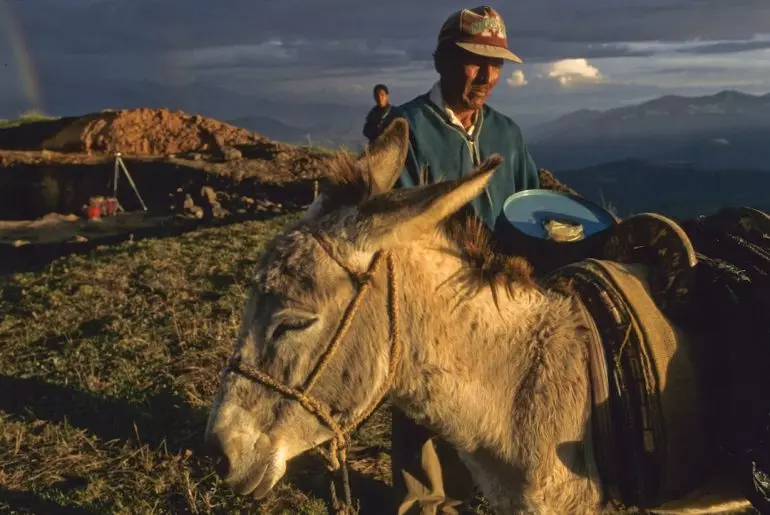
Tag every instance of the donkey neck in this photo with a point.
(472, 369)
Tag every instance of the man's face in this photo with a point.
(468, 79)
(381, 97)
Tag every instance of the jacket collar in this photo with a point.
(437, 98)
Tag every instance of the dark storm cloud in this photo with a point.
(543, 30)
(692, 70)
(728, 47)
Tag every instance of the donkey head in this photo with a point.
(307, 298)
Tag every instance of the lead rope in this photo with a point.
(346, 507)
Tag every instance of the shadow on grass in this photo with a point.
(30, 502)
(163, 419)
(309, 475)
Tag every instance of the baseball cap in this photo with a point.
(480, 30)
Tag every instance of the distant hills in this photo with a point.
(634, 186)
(724, 131)
(329, 135)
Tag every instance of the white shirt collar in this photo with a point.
(437, 98)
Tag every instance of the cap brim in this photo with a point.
(490, 51)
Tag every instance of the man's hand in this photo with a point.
(549, 182)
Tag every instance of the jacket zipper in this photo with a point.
(473, 149)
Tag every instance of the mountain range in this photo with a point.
(680, 191)
(727, 130)
(327, 135)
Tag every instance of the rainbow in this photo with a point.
(23, 63)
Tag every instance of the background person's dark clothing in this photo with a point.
(376, 121)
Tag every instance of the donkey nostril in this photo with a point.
(220, 459)
(222, 466)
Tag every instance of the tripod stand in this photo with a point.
(119, 164)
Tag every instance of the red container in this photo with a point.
(94, 211)
(95, 207)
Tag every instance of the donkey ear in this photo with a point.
(385, 157)
(407, 214)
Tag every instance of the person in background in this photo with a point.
(451, 131)
(378, 116)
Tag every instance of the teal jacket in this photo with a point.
(446, 152)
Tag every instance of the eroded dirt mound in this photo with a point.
(150, 132)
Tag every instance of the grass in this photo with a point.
(108, 362)
(26, 117)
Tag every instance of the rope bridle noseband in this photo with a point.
(336, 456)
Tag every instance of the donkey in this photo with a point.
(464, 341)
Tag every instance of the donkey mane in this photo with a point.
(348, 184)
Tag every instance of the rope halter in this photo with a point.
(336, 455)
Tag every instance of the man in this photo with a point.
(452, 130)
(378, 116)
(451, 127)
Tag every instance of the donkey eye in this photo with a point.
(285, 325)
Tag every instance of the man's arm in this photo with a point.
(549, 182)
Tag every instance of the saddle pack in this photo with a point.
(678, 317)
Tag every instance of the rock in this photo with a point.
(209, 197)
(219, 212)
(231, 153)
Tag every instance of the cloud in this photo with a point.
(270, 52)
(517, 79)
(568, 72)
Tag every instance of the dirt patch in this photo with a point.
(140, 132)
(156, 132)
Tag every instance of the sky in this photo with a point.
(233, 56)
